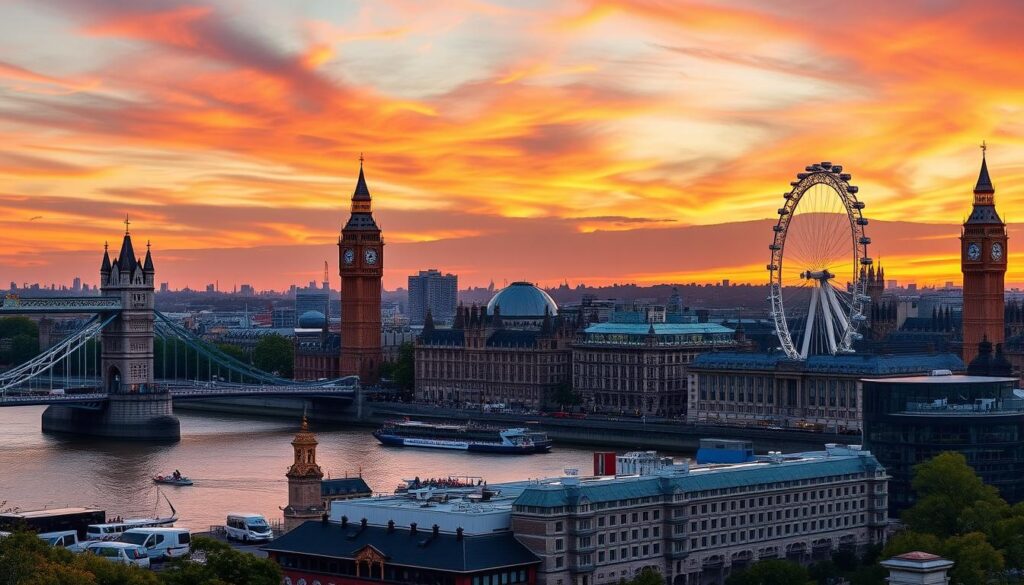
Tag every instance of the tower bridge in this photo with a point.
(101, 380)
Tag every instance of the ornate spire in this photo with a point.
(105, 267)
(362, 192)
(984, 184)
(147, 266)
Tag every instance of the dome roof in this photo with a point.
(312, 320)
(522, 299)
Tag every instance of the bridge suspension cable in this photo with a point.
(60, 352)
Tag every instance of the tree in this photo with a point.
(26, 560)
(12, 326)
(403, 370)
(275, 354)
(564, 395)
(771, 572)
(223, 566)
(647, 576)
(233, 351)
(976, 561)
(946, 486)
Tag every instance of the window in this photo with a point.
(559, 544)
(559, 563)
(559, 526)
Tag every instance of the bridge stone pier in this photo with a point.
(136, 407)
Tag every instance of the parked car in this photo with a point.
(120, 552)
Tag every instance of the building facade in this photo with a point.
(820, 393)
(983, 254)
(908, 420)
(642, 368)
(433, 292)
(361, 252)
(695, 526)
(480, 360)
(128, 340)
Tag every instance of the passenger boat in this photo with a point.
(467, 437)
(113, 528)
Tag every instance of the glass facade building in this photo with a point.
(910, 420)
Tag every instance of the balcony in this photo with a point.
(581, 567)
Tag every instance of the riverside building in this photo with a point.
(694, 525)
(516, 351)
(821, 393)
(641, 367)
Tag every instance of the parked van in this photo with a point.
(65, 539)
(160, 543)
(120, 552)
(248, 527)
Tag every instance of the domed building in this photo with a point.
(522, 304)
(312, 320)
(515, 351)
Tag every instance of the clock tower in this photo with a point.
(983, 261)
(361, 251)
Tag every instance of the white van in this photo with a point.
(160, 543)
(120, 552)
(247, 527)
(65, 539)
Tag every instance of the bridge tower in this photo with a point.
(136, 407)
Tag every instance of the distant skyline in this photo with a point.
(605, 141)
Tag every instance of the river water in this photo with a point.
(238, 465)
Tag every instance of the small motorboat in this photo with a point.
(172, 479)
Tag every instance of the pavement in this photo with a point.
(253, 549)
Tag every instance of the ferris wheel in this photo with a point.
(818, 262)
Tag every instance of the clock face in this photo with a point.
(349, 256)
(997, 251)
(974, 251)
(370, 256)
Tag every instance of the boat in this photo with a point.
(172, 479)
(114, 527)
(463, 437)
(446, 483)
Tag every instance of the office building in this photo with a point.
(908, 420)
(692, 524)
(312, 300)
(433, 292)
(822, 392)
(642, 368)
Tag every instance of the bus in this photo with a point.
(54, 520)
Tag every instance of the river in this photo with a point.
(238, 465)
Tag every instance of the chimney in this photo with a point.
(437, 530)
(458, 533)
(391, 526)
(323, 518)
(362, 523)
(344, 521)
(412, 528)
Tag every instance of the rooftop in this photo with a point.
(659, 328)
(849, 364)
(951, 379)
(420, 549)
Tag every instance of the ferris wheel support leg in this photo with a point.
(809, 327)
(826, 313)
(844, 325)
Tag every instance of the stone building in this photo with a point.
(516, 351)
(642, 368)
(696, 525)
(821, 393)
(305, 500)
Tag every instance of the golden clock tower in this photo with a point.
(361, 251)
(983, 261)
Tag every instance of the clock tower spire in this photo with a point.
(361, 250)
(983, 262)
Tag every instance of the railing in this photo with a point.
(15, 305)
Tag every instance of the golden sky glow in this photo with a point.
(606, 141)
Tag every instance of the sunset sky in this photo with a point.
(605, 141)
